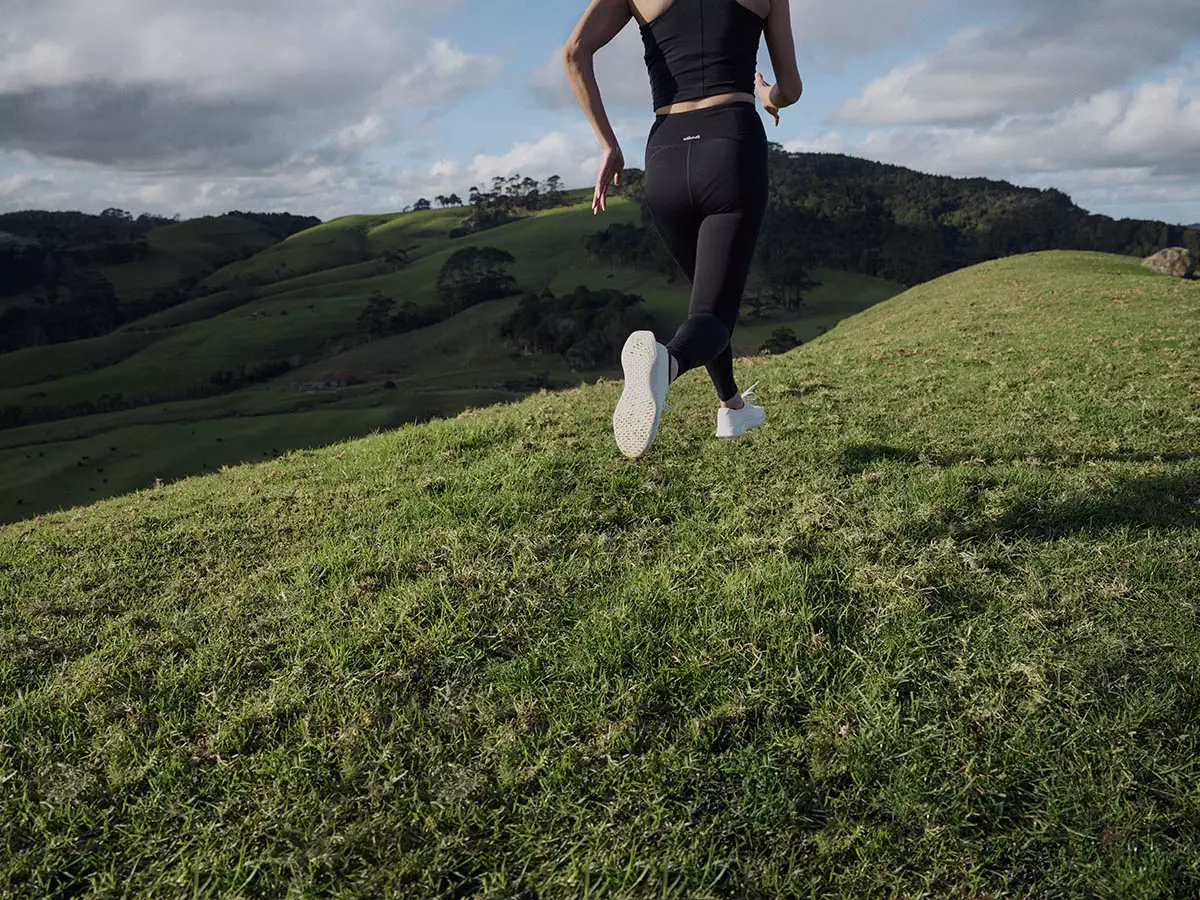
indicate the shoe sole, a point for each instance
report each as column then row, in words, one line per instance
column 635, row 420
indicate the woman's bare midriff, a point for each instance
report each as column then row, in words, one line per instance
column 716, row 100
column 648, row 10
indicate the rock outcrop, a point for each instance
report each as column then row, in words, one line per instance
column 1175, row 261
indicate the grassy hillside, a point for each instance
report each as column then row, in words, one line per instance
column 931, row 631
column 189, row 249
column 310, row 291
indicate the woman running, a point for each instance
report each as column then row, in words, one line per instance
column 705, row 179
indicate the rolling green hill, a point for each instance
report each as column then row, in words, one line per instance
column 188, row 250
column 931, row 631
column 298, row 303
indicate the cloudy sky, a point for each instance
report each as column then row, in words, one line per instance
column 329, row 107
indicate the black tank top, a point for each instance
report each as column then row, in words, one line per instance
column 700, row 48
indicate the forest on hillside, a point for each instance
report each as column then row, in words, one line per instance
column 834, row 211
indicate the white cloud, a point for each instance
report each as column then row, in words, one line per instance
column 1049, row 57
column 21, row 182
column 220, row 86
column 1155, row 127
column 307, row 185
column 620, row 69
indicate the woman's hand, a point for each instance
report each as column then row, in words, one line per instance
column 610, row 171
column 764, row 94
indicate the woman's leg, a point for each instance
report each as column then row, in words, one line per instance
column 668, row 199
column 708, row 196
column 725, row 249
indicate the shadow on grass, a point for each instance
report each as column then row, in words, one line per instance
column 857, row 458
column 1154, row 501
column 1145, row 501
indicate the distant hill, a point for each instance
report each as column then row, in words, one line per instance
column 68, row 275
column 892, row 222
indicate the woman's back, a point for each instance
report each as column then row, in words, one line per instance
column 708, row 49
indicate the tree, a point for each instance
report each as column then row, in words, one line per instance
column 374, row 319
column 408, row 318
column 782, row 255
column 474, row 275
column 398, row 258
column 756, row 300
column 421, row 204
column 781, row 341
column 588, row 328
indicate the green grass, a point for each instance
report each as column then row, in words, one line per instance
column 53, row 466
column 337, row 243
column 930, row 632
column 51, row 362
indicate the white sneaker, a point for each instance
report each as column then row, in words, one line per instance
column 647, row 368
column 733, row 423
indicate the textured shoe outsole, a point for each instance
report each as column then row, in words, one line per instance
column 636, row 418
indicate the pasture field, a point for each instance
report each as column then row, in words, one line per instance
column 931, row 631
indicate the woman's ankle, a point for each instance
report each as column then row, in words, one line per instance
column 734, row 402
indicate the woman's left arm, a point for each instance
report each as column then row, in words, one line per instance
column 602, row 21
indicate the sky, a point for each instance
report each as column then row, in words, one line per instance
column 334, row 107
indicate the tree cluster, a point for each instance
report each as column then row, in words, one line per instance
column 588, row 328
column 67, row 229
column 475, row 275
column 242, row 376
column 513, row 191
column 509, row 199
column 279, row 225
column 781, row 341
column 82, row 305
column 378, row 320
column 910, row 227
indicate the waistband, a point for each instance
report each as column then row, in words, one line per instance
column 736, row 119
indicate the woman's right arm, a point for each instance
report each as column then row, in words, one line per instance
column 778, row 30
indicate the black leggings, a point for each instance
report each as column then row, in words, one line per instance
column 706, row 188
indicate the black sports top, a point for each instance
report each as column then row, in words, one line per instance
column 700, row 48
